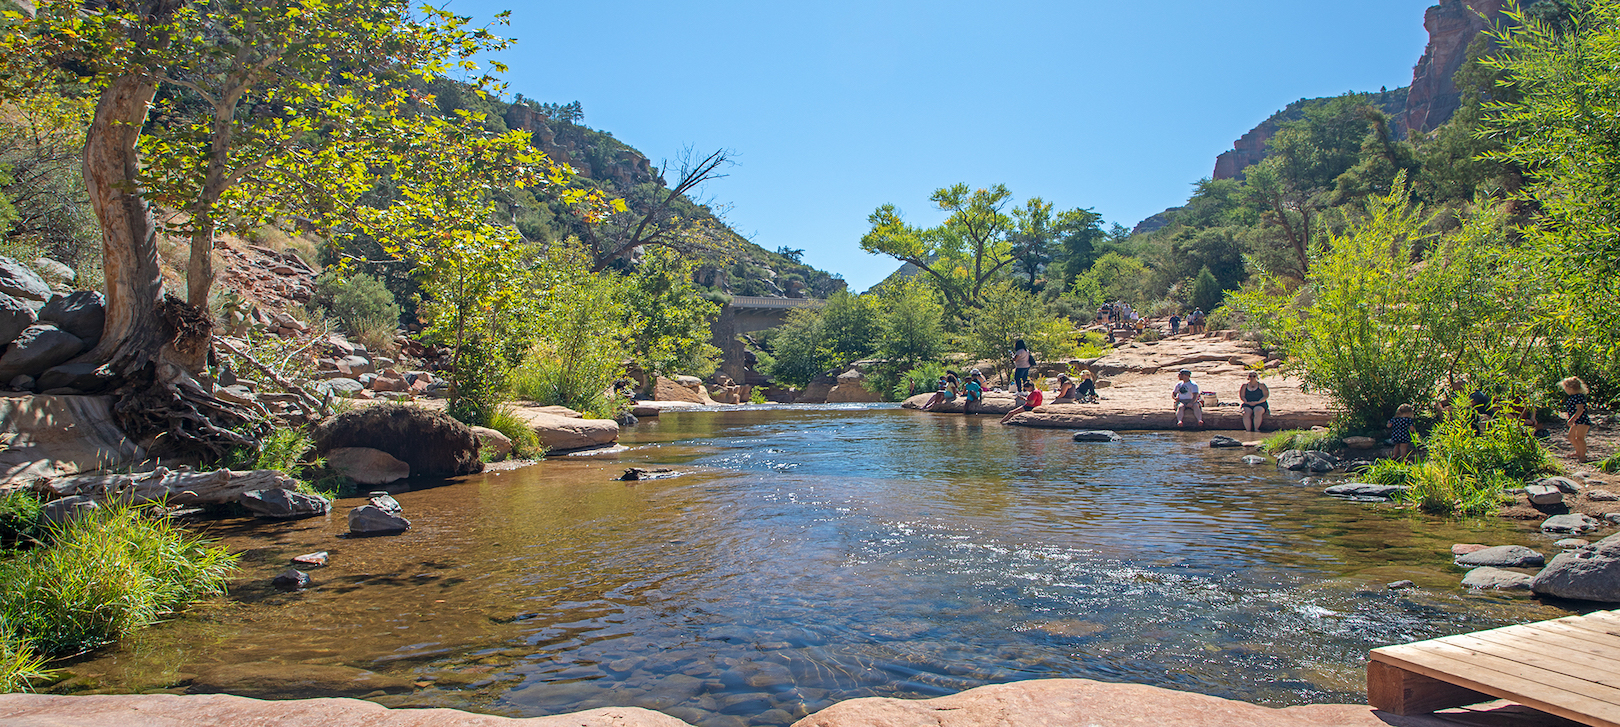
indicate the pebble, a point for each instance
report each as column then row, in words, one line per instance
column 291, row 579
column 1402, row 585
column 1572, row 543
column 311, row 559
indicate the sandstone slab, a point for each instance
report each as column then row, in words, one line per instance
column 565, row 434
column 493, row 441
column 1496, row 579
column 210, row 710
column 57, row 436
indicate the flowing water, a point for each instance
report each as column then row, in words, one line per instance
column 808, row 556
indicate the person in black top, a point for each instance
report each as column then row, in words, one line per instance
column 1400, row 430
column 1580, row 420
column 1256, row 397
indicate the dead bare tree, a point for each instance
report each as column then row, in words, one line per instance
column 665, row 216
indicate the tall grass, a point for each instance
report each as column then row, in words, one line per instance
column 19, row 518
column 1468, row 466
column 1610, row 465
column 1289, row 439
column 1440, row 489
column 920, row 380
column 104, row 575
column 525, row 443
column 20, row 665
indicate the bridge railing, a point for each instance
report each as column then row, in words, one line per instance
column 757, row 302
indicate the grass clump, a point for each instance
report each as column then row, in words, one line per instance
column 283, row 451
column 104, row 575
column 1440, row 489
column 1470, row 463
column 1306, row 439
column 1610, row 465
column 525, row 443
column 20, row 519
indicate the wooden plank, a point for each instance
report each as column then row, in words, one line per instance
column 1604, row 620
column 1545, row 677
column 1398, row 691
column 1468, row 674
column 1581, row 666
column 1575, row 631
column 1550, row 644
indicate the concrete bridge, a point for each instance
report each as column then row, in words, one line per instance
column 750, row 314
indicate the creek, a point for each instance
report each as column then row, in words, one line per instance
column 812, row 555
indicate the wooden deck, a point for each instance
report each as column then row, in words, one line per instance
column 1569, row 667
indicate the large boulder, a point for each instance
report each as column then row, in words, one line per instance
column 563, row 434
column 687, row 388
column 19, row 281
column 1307, row 460
column 54, row 271
column 1589, row 574
column 279, row 504
column 493, row 441
column 1502, row 556
column 84, row 376
column 40, row 347
column 373, row 520
column 15, row 317
column 1496, row 579
column 851, row 389
column 432, row 443
column 367, row 466
column 82, row 314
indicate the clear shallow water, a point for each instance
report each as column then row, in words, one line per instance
column 815, row 555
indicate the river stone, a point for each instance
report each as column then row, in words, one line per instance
column 1466, row 548
column 1401, row 585
column 373, row 520
column 1572, row 543
column 1602, row 496
column 385, row 502
column 1496, row 579
column 38, row 348
column 367, row 466
column 493, row 441
column 1360, row 489
column 1220, row 441
column 279, row 504
column 83, row 314
column 1562, row 484
column 1502, row 556
column 23, row 383
column 432, row 443
column 1571, row 523
column 315, row 560
column 15, row 317
column 18, row 281
column 291, row 579
column 1544, row 494
column 1253, row 459
column 1303, row 460
column 1096, row 435
column 1589, row 574
column 1359, row 442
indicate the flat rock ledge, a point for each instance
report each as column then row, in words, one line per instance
column 1037, row 703
column 1130, row 415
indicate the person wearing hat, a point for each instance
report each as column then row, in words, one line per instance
column 972, row 392
column 1187, row 397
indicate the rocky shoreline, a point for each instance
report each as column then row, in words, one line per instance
column 1055, row 702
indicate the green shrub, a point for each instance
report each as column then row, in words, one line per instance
column 364, row 306
column 919, row 380
column 282, row 451
column 1442, row 490
column 1503, row 445
column 1388, row 472
column 105, row 575
column 757, row 396
column 1288, row 439
column 525, row 443
column 19, row 517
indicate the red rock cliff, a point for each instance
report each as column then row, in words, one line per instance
column 1452, row 25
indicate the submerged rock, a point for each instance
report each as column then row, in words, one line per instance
column 1307, row 460
column 1401, row 585
column 1591, row 573
column 1096, row 435
column 1359, row 489
column 1502, row 556
column 1496, row 579
column 1253, row 459
column 291, row 579
column 275, row 680
column 373, row 520
column 1466, row 548
column 312, row 559
column 1220, row 441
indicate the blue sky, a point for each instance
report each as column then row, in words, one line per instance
column 834, row 108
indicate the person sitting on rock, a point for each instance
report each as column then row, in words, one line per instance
column 1187, row 398
column 1256, row 398
column 972, row 392
column 1086, row 392
column 1027, row 401
column 1065, row 390
column 1400, row 430
column 948, row 389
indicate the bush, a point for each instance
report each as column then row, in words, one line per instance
column 1442, row 490
column 19, row 518
column 283, row 451
column 105, row 574
column 919, row 380
column 1504, row 446
column 1289, row 439
column 362, row 304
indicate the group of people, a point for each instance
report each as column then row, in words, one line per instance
column 1118, row 315
column 1577, row 415
column 1189, row 400
column 1196, row 322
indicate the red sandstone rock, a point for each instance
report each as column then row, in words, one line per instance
column 211, row 710
column 1466, row 548
column 1452, row 25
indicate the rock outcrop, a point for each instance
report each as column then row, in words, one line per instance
column 564, row 434
column 432, row 443
column 1452, row 25
column 57, row 436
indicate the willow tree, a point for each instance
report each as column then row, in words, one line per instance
column 962, row 255
column 261, row 109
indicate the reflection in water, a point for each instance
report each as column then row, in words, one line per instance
column 820, row 555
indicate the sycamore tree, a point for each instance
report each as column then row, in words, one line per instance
column 961, row 256
column 215, row 111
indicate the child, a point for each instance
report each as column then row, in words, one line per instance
column 1400, row 430
column 945, row 394
column 1580, row 420
column 1031, row 398
column 973, row 392
column 1187, row 396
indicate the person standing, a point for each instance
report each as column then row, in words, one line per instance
column 1021, row 361
column 1187, row 398
column 1400, row 430
column 1579, row 418
column 1256, row 397
column 1175, row 323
